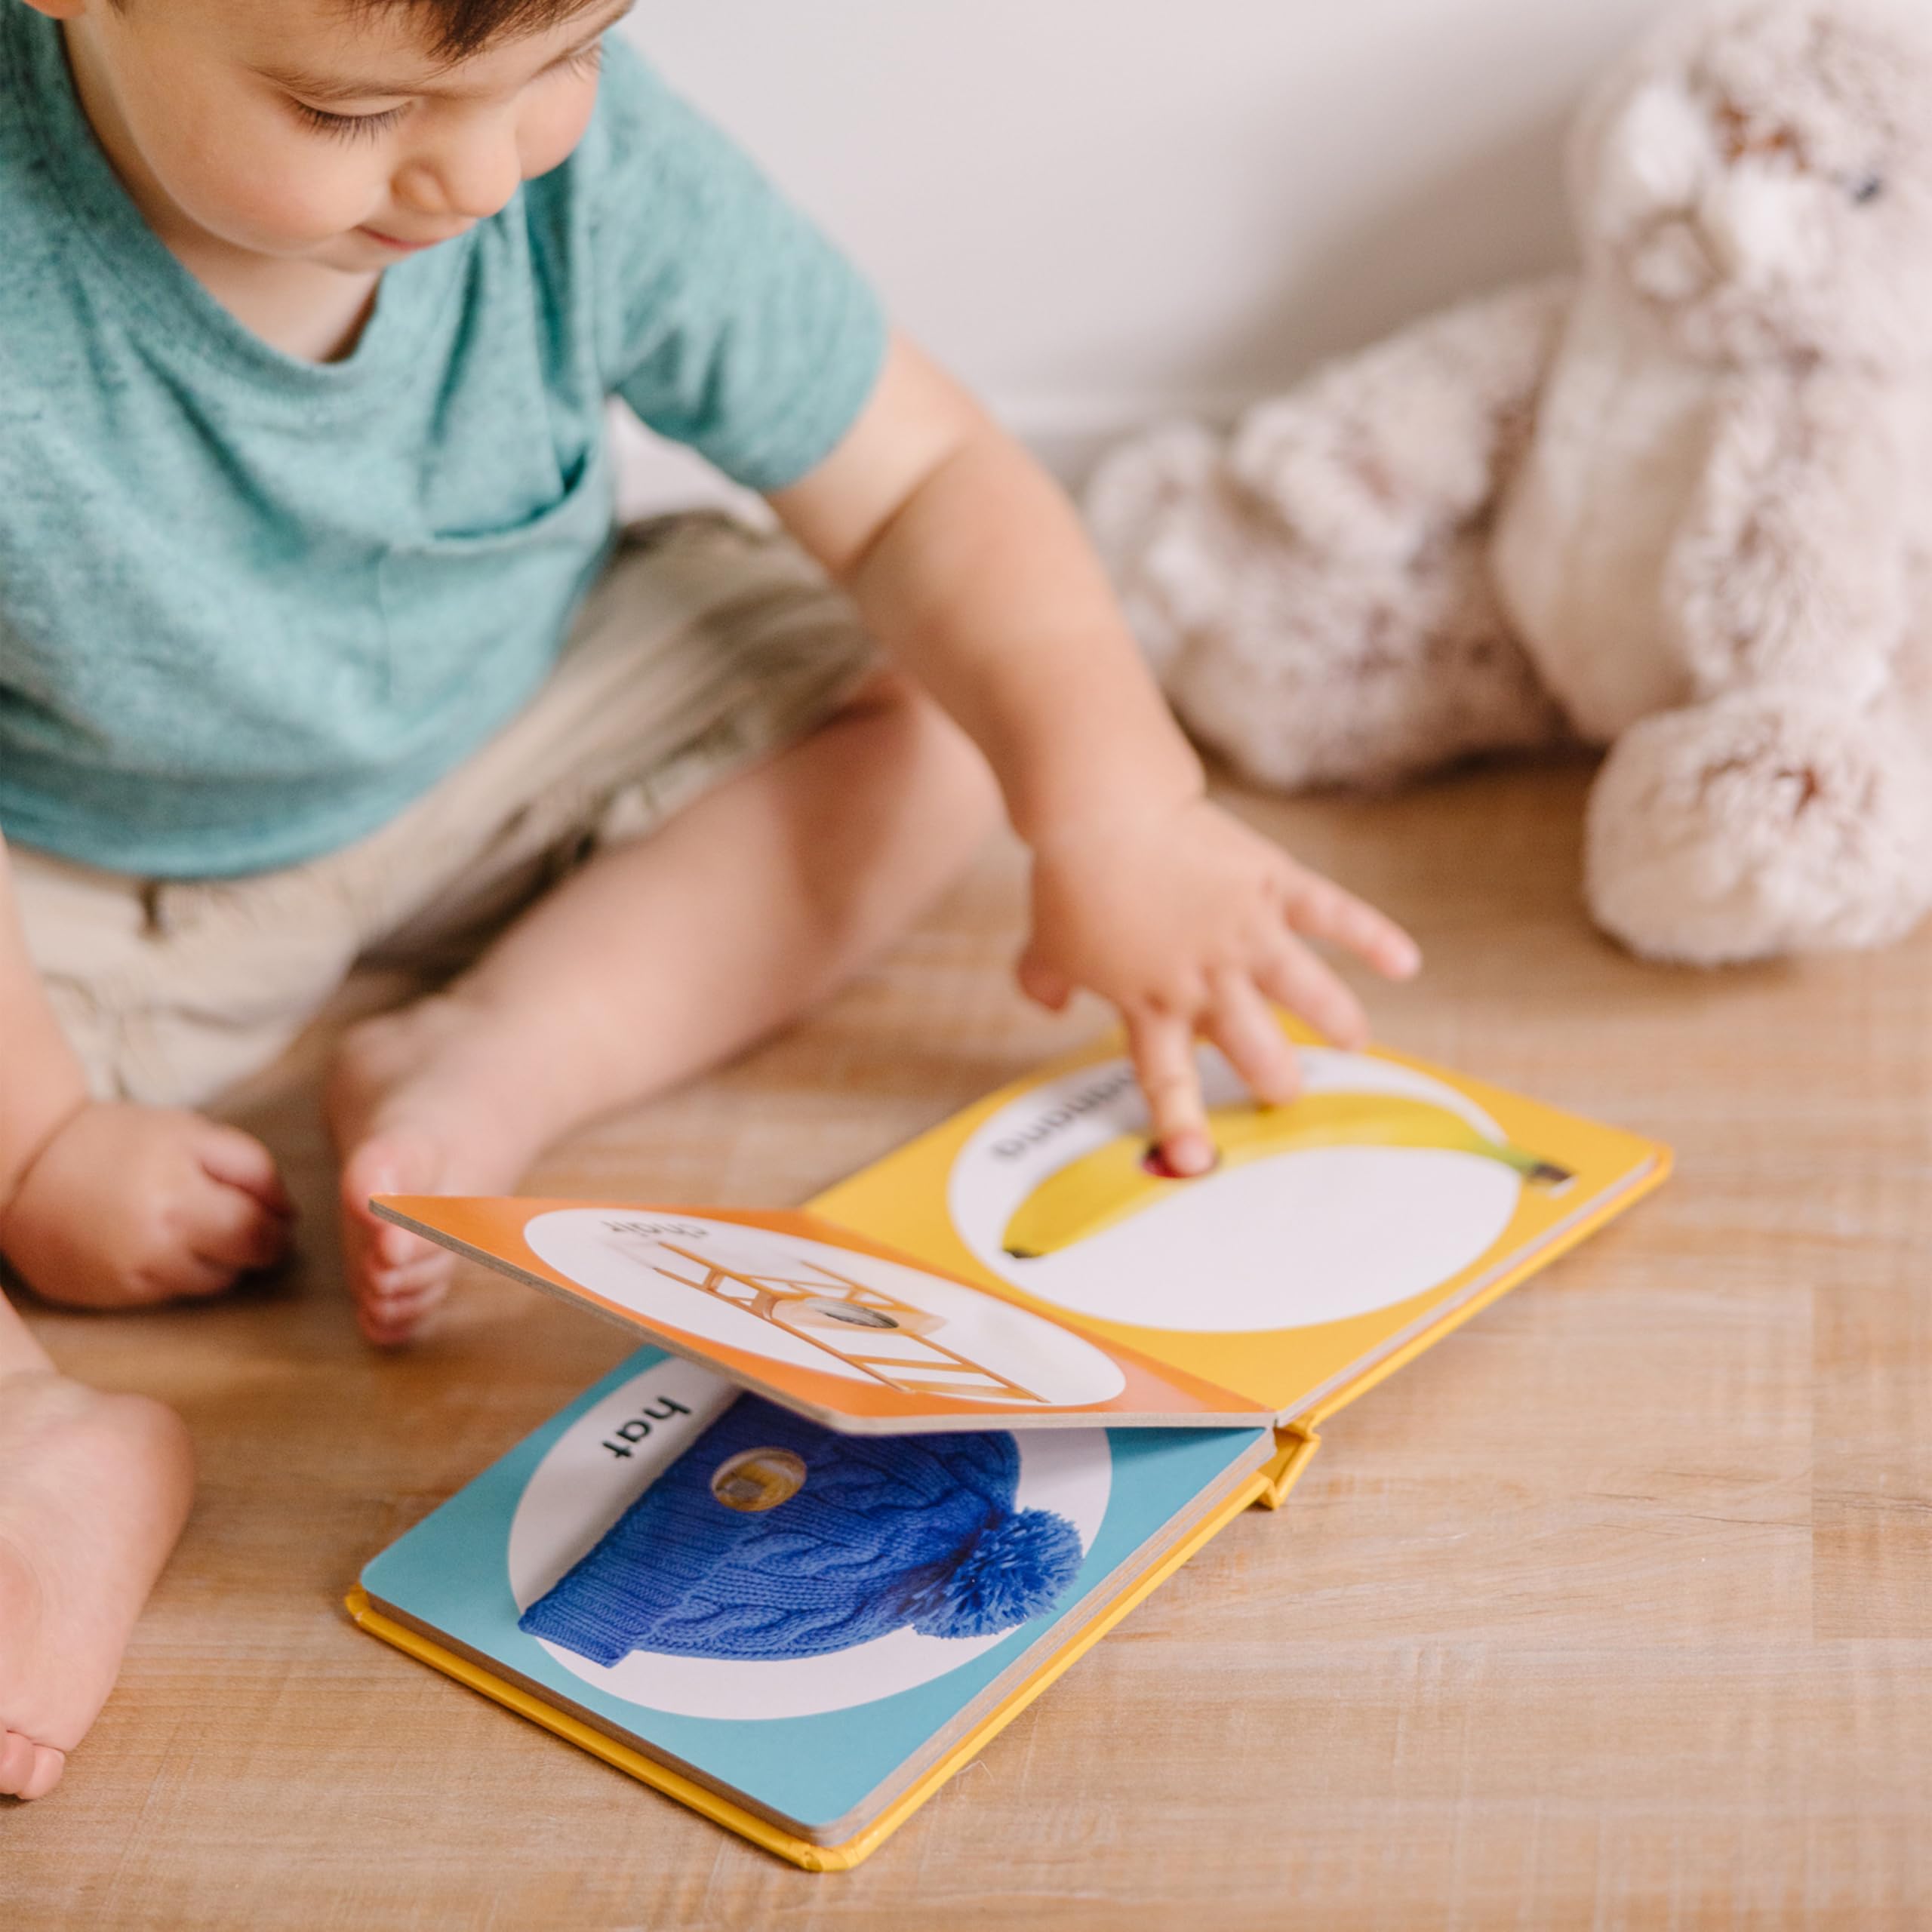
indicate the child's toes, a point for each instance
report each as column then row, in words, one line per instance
column 16, row 1763
column 48, row 1766
column 395, row 1250
column 422, row 1266
column 394, row 1164
column 392, row 1302
column 28, row 1769
column 423, row 1263
column 389, row 1320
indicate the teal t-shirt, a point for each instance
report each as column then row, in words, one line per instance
column 250, row 606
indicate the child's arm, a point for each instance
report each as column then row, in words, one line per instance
column 104, row 1204
column 44, row 1087
column 970, row 567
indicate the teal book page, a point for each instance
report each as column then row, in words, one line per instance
column 793, row 1615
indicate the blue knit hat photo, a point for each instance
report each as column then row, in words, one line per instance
column 772, row 1537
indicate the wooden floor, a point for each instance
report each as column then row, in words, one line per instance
column 1614, row 1611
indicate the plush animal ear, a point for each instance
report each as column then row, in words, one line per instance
column 1659, row 152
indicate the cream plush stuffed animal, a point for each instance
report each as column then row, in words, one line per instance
column 1678, row 506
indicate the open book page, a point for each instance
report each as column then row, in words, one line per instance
column 799, row 1620
column 1335, row 1231
column 824, row 1320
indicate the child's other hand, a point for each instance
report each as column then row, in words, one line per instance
column 1191, row 924
column 128, row 1206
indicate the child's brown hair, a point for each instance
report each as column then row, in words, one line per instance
column 459, row 28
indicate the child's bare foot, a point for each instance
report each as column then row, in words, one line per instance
column 127, row 1206
column 93, row 1491
column 419, row 1102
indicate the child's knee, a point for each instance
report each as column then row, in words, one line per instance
column 942, row 783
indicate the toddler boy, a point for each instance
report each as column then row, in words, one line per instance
column 316, row 644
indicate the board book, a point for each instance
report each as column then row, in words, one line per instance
column 884, row 1467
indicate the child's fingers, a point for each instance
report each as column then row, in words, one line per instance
column 186, row 1277
column 1161, row 1045
column 232, row 1230
column 1302, row 984
column 1041, row 983
column 242, row 1161
column 1323, row 910
column 1244, row 1026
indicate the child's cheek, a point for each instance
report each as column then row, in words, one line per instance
column 553, row 124
column 274, row 190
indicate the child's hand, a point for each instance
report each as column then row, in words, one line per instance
column 970, row 567
column 127, row 1206
column 1189, row 923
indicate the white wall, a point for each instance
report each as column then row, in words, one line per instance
column 1099, row 211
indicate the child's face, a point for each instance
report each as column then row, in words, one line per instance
column 294, row 129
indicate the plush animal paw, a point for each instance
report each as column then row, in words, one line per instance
column 1764, row 821
column 1321, row 675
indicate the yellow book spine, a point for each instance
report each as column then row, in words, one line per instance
column 1294, row 1449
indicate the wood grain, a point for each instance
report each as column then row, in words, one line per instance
column 1614, row 1611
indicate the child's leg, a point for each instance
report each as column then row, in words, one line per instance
column 658, row 958
column 93, row 1489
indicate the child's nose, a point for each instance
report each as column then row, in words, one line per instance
column 471, row 180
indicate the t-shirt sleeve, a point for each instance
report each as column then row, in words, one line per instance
column 726, row 318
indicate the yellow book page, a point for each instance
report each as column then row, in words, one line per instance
column 1338, row 1234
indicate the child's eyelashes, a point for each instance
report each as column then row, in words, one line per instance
column 368, row 127
column 348, row 126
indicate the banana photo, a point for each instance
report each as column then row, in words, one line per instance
column 1128, row 1175
column 1377, row 1184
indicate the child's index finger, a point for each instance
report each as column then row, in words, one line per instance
column 1186, row 1156
column 1161, row 1047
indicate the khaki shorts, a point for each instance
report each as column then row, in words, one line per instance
column 705, row 648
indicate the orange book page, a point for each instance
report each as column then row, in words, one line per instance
column 1391, row 1197
column 823, row 1320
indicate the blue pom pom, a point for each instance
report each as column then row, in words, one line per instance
column 1015, row 1568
